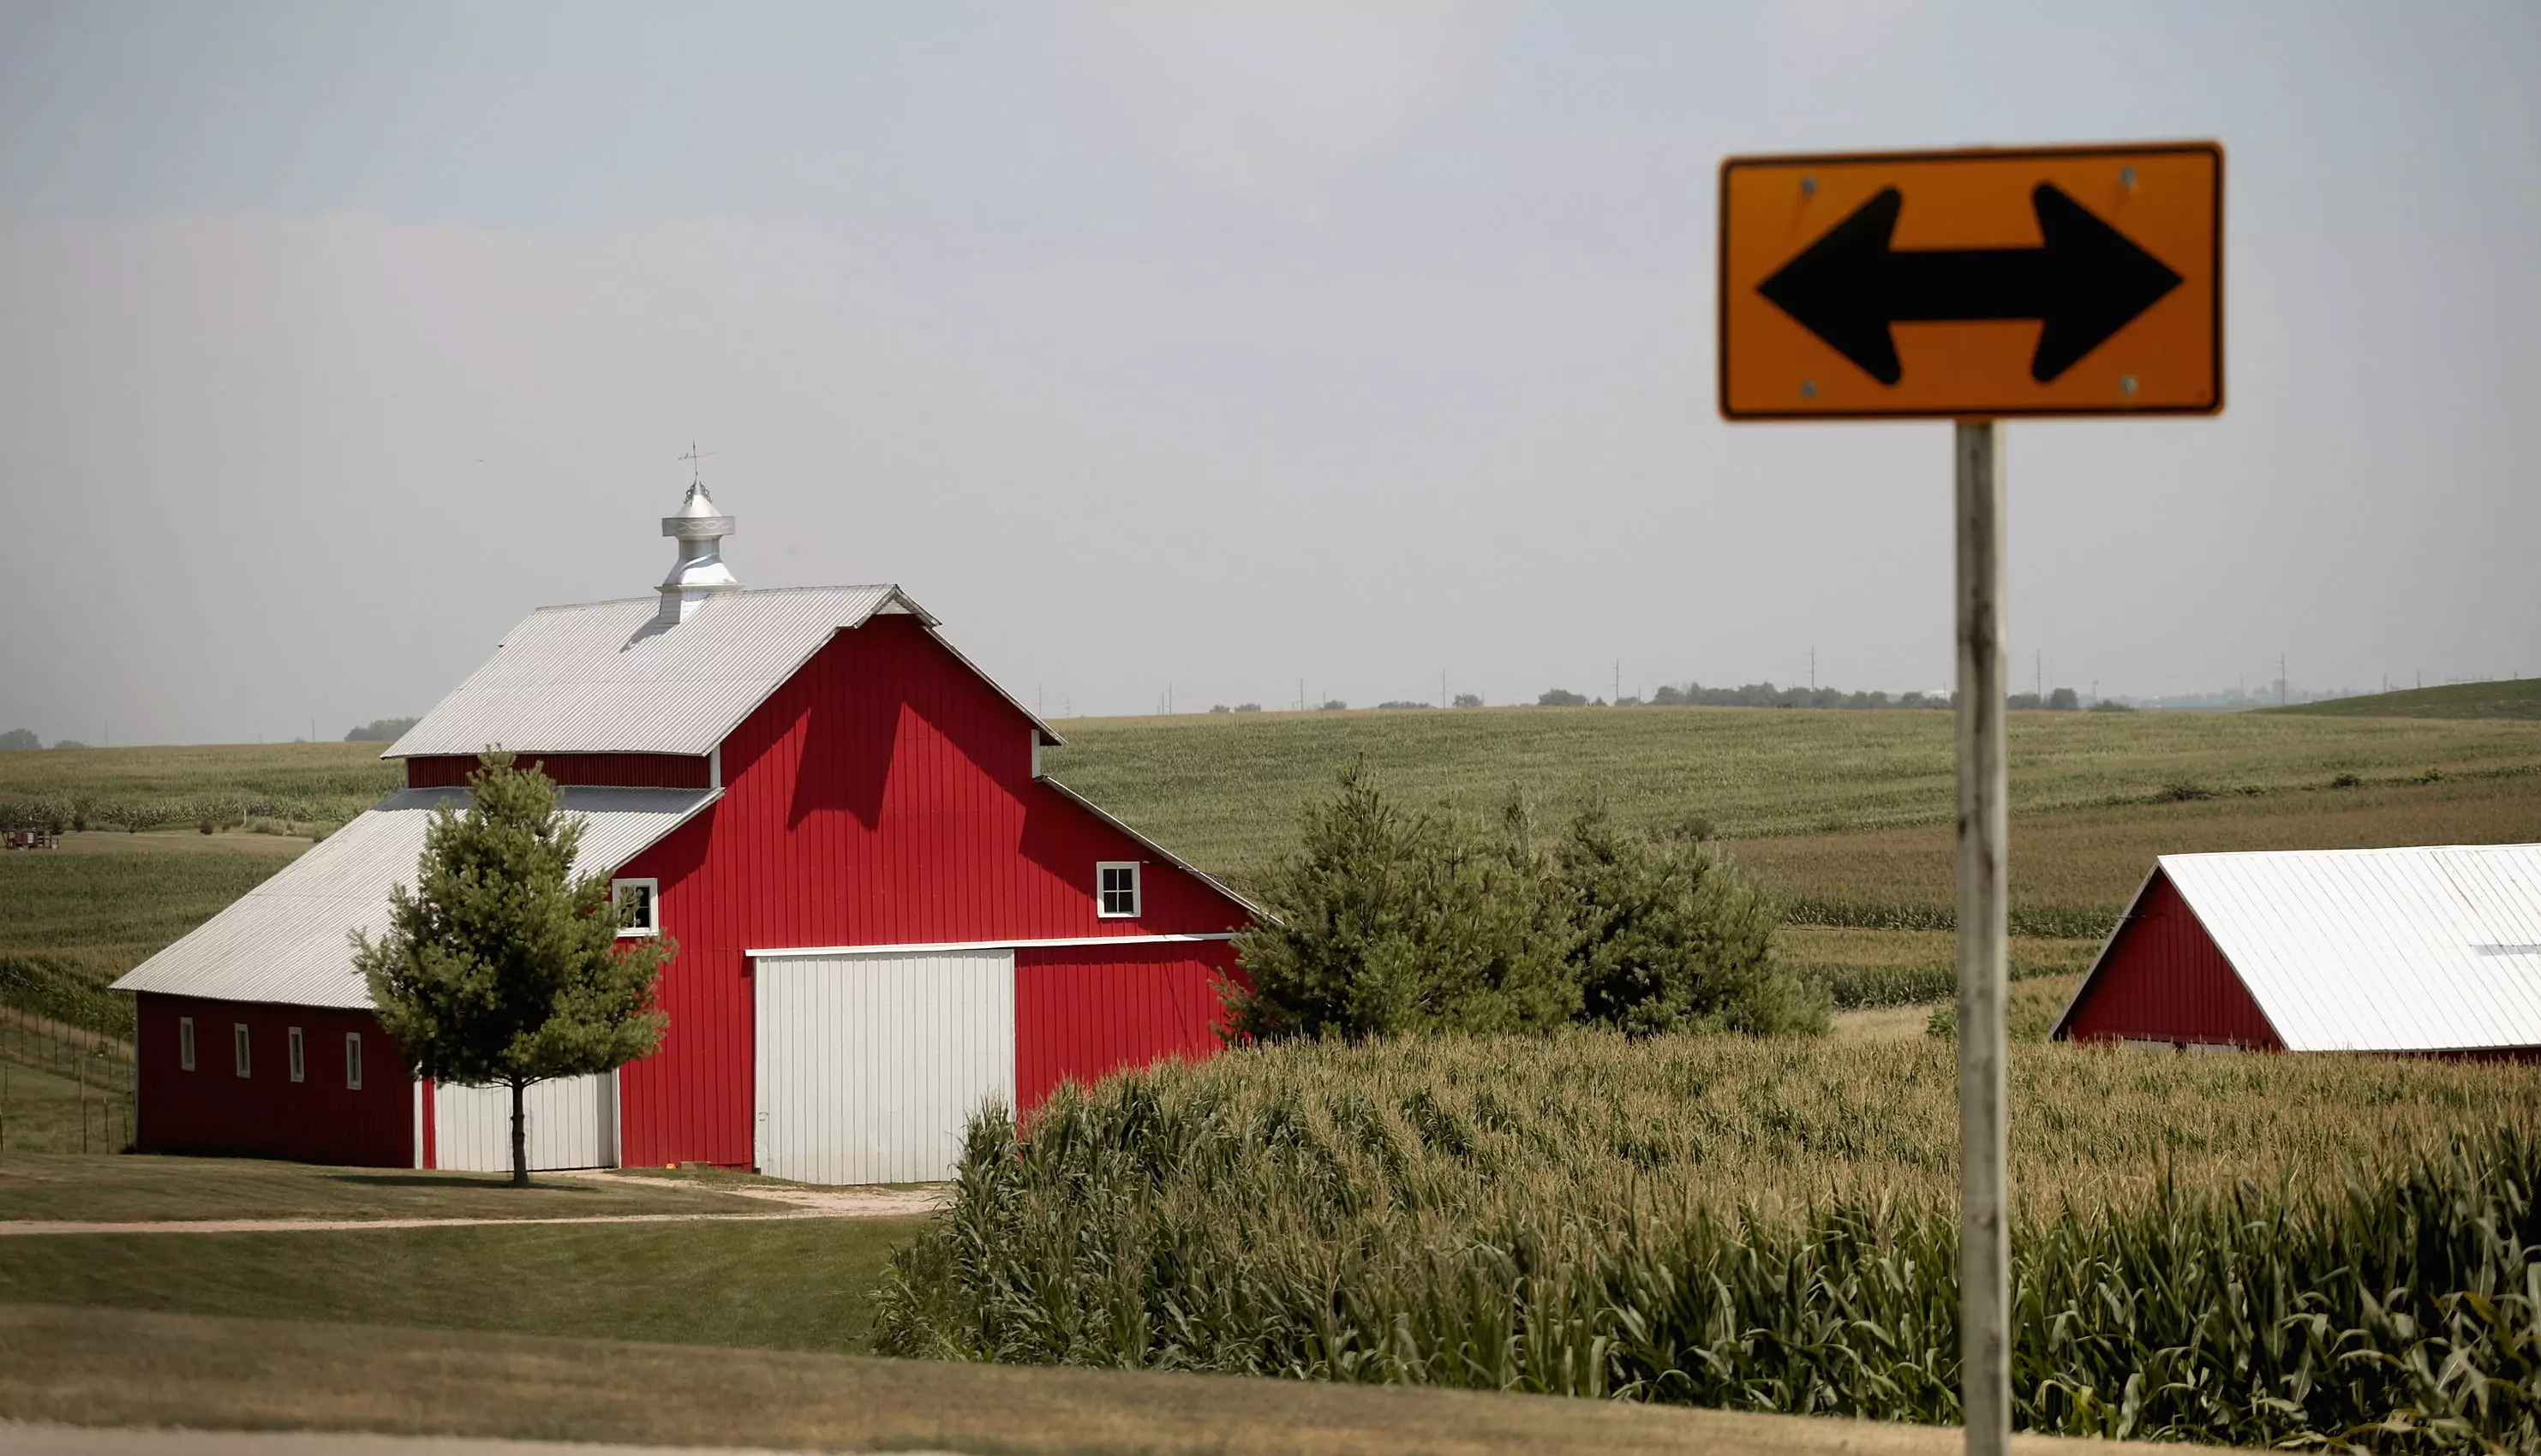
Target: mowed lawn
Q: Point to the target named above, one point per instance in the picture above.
(54, 1185)
(777, 1284)
(108, 1367)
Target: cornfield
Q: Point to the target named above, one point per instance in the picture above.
(2254, 1249)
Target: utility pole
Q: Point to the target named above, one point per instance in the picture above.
(2038, 674)
(1813, 667)
(1443, 687)
(2281, 679)
(1619, 682)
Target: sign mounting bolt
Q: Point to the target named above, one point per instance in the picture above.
(2126, 383)
(1808, 187)
(2127, 178)
(1808, 388)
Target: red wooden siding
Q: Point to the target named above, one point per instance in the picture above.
(884, 795)
(2164, 979)
(266, 1114)
(611, 770)
(1084, 1012)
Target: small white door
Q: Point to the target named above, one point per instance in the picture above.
(871, 1065)
(572, 1123)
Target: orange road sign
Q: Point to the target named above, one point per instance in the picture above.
(2064, 280)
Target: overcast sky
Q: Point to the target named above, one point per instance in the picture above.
(1218, 346)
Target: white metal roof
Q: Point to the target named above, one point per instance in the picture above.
(2378, 950)
(609, 677)
(287, 940)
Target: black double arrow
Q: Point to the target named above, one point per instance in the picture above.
(2085, 283)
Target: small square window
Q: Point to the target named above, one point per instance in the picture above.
(185, 1043)
(353, 1061)
(238, 1046)
(1117, 886)
(299, 1056)
(635, 901)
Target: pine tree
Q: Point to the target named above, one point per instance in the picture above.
(502, 967)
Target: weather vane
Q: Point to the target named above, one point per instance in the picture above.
(696, 471)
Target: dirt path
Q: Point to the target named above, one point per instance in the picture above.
(796, 1202)
(41, 1439)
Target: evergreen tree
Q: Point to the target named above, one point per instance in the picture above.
(502, 967)
(1669, 936)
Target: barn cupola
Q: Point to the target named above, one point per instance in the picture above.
(699, 572)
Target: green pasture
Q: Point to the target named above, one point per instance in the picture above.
(2511, 698)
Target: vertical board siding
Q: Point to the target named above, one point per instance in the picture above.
(566, 1124)
(883, 795)
(266, 1114)
(871, 1067)
(1085, 1012)
(2164, 979)
(606, 771)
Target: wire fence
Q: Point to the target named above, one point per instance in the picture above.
(63, 1088)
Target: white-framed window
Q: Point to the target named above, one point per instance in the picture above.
(238, 1046)
(1116, 889)
(353, 1062)
(638, 905)
(185, 1043)
(299, 1055)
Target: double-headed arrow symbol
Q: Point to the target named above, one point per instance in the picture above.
(2088, 281)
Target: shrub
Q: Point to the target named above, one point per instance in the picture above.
(1387, 922)
(2063, 700)
(1668, 936)
(1248, 707)
(1561, 697)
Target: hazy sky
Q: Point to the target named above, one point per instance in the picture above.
(1210, 346)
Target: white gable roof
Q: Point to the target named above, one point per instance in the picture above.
(287, 940)
(2379, 950)
(609, 677)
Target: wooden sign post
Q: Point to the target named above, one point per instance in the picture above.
(1972, 285)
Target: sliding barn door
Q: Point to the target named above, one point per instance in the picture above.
(871, 1065)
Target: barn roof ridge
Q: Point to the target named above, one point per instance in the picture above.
(612, 676)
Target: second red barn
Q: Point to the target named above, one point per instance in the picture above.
(886, 916)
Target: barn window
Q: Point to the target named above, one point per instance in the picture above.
(353, 1061)
(634, 900)
(185, 1044)
(1116, 881)
(298, 1058)
(238, 1046)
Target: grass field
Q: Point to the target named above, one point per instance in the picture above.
(788, 1285)
(108, 1368)
(2512, 697)
(55, 1185)
(1224, 791)
(1844, 815)
(2074, 871)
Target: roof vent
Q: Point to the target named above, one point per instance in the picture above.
(699, 572)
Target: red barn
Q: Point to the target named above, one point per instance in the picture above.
(2430, 951)
(886, 916)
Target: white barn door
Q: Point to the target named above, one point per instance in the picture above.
(870, 1065)
(572, 1123)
